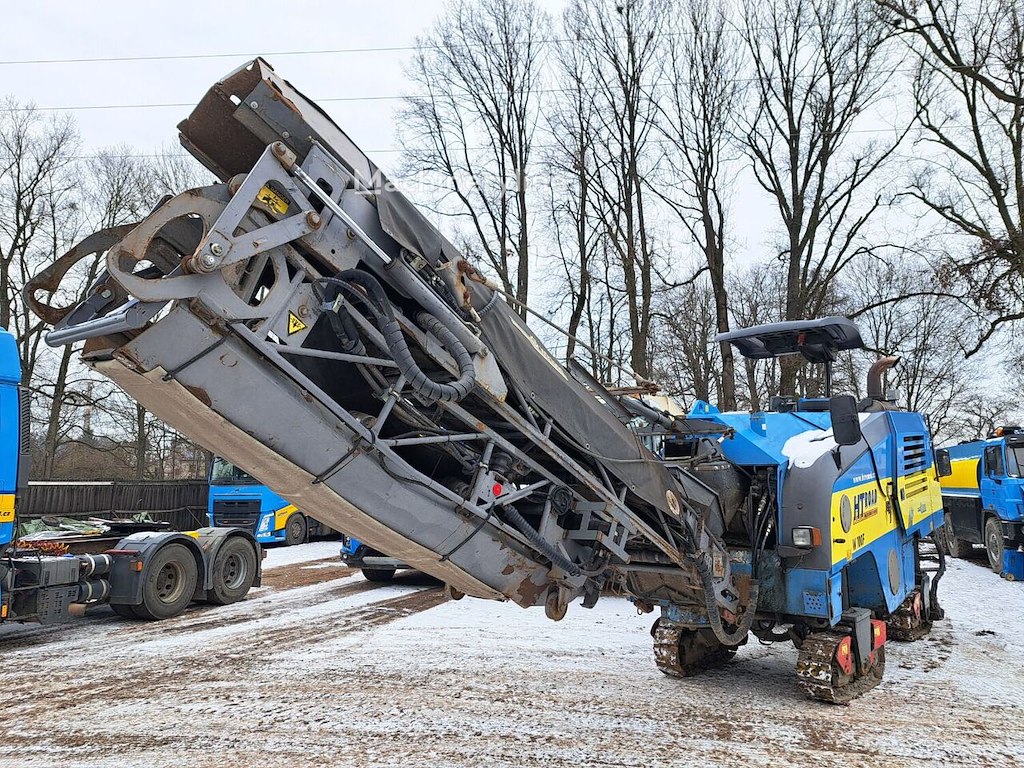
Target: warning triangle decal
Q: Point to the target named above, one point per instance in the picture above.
(294, 324)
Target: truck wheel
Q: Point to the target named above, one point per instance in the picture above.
(956, 547)
(234, 570)
(994, 544)
(295, 529)
(168, 583)
(379, 574)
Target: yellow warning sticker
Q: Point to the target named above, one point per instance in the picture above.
(294, 324)
(272, 200)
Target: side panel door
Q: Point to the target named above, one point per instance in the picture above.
(996, 490)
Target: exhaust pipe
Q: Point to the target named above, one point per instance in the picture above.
(875, 373)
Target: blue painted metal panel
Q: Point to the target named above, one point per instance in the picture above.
(811, 593)
(1013, 565)
(9, 432)
(10, 416)
(971, 450)
(759, 437)
(678, 615)
(10, 377)
(10, 364)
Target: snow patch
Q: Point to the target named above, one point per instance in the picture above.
(804, 449)
(278, 554)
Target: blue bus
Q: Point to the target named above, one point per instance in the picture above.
(239, 500)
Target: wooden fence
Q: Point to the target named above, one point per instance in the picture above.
(180, 502)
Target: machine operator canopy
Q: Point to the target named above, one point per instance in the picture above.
(816, 340)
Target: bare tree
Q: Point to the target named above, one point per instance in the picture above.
(472, 121)
(982, 413)
(36, 152)
(118, 187)
(48, 196)
(818, 66)
(976, 40)
(687, 359)
(969, 89)
(571, 164)
(171, 171)
(703, 96)
(622, 59)
(115, 186)
(933, 377)
(758, 296)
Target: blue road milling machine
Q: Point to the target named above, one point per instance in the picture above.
(835, 497)
(304, 320)
(141, 573)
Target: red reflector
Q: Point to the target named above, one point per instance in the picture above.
(843, 656)
(878, 634)
(497, 489)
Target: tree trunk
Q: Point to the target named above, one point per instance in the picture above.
(53, 425)
(141, 442)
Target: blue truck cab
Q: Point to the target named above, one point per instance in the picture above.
(984, 499)
(239, 500)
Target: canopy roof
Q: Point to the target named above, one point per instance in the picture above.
(816, 340)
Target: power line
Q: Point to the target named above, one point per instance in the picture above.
(323, 52)
(731, 28)
(175, 105)
(191, 56)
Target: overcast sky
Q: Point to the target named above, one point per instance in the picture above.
(220, 36)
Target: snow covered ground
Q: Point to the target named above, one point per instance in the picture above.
(320, 667)
(278, 554)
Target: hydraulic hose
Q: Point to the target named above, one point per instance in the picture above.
(376, 300)
(710, 599)
(346, 331)
(544, 547)
(451, 391)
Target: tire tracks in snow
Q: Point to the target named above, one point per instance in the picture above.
(358, 619)
(117, 658)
